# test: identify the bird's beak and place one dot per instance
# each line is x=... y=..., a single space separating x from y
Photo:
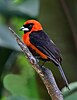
x=23 y=29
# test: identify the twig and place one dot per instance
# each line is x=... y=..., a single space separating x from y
x=45 y=74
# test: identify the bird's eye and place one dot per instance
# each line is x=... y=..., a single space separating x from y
x=29 y=26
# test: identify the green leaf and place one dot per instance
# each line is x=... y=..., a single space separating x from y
x=25 y=8
x=72 y=93
x=7 y=39
x=15 y=84
x=23 y=84
x=18 y=85
x=17 y=98
x=29 y=7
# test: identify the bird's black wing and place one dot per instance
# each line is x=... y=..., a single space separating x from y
x=44 y=44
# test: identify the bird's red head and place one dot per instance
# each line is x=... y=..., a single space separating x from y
x=30 y=26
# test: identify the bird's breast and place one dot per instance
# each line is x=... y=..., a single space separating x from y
x=25 y=39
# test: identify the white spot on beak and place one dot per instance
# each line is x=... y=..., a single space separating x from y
x=24 y=29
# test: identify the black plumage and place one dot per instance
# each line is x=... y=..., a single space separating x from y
x=41 y=40
x=43 y=43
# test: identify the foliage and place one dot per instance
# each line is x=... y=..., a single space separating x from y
x=23 y=84
x=12 y=13
x=72 y=93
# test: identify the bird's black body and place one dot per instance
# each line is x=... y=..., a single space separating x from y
x=45 y=45
x=41 y=40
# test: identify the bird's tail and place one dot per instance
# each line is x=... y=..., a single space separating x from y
x=63 y=76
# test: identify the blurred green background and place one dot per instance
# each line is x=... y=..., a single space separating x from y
x=18 y=81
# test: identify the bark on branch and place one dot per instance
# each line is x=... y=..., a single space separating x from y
x=45 y=74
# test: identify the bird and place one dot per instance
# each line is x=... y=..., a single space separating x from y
x=41 y=46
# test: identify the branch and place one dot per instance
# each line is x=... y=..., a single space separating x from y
x=45 y=74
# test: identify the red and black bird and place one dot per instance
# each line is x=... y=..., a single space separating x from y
x=40 y=45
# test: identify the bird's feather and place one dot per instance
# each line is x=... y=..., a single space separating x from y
x=41 y=40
